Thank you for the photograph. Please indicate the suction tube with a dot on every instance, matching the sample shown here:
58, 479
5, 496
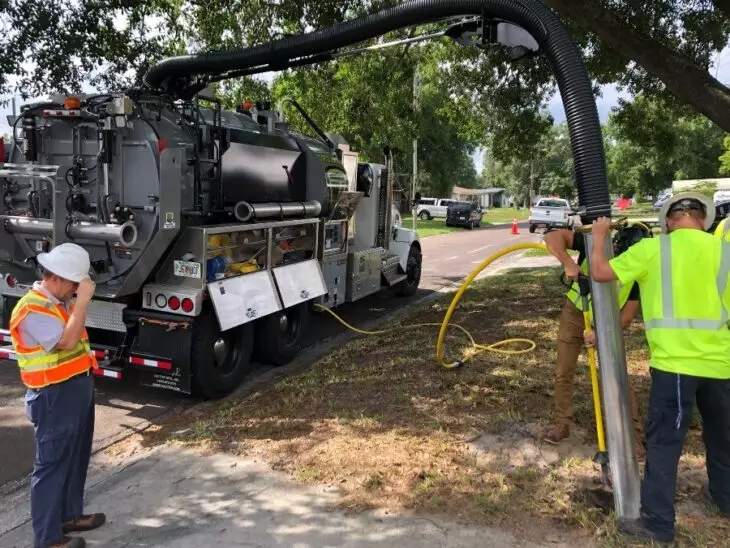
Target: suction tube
541, 22
245, 211
124, 234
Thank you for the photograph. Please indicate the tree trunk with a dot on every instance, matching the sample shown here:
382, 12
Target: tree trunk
689, 83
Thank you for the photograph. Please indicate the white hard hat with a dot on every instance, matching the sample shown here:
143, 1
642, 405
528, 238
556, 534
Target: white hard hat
68, 261
704, 200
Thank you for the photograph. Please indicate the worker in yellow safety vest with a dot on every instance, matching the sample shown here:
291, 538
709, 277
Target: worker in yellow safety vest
55, 360
571, 329
683, 276
722, 230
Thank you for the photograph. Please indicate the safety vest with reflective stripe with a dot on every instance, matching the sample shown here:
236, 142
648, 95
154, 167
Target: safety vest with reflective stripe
574, 295
38, 367
685, 305
723, 230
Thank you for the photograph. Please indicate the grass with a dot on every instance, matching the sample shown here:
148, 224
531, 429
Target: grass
434, 227
506, 214
380, 419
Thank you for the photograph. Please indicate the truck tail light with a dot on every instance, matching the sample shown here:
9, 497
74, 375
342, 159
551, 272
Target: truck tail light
173, 302
10, 281
187, 305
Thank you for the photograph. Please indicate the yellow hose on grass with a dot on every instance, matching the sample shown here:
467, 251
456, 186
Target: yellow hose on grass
446, 322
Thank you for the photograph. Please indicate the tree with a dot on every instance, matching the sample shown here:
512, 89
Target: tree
725, 157
57, 46
652, 142
652, 47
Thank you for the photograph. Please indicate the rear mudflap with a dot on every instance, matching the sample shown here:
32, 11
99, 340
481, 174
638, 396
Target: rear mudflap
161, 351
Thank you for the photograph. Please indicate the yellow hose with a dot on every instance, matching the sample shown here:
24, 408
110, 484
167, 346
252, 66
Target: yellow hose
593, 366
445, 323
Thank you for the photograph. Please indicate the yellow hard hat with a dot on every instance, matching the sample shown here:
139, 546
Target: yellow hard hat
688, 200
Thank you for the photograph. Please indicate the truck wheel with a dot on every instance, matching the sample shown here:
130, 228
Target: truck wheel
280, 336
409, 286
532, 229
424, 216
471, 225
220, 359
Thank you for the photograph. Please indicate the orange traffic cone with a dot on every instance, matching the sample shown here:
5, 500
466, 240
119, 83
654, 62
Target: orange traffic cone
514, 226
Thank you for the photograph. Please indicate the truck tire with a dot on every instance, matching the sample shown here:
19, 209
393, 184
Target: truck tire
220, 359
532, 229
280, 336
424, 216
409, 286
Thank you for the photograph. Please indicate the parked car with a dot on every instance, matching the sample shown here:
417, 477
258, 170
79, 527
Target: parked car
661, 200
468, 214
550, 212
430, 208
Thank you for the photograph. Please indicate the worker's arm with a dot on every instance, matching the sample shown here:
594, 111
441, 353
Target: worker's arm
628, 313
600, 268
77, 320
558, 243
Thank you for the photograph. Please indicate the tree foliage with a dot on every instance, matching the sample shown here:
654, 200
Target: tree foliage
659, 50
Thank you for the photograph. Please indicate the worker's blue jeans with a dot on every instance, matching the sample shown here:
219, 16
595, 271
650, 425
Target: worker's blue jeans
63, 420
671, 405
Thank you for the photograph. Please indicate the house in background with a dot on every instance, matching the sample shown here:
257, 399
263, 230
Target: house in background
485, 197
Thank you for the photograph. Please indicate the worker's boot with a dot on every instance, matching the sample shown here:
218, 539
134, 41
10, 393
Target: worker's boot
557, 434
70, 542
84, 523
709, 501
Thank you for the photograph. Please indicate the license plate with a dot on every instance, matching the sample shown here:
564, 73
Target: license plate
187, 269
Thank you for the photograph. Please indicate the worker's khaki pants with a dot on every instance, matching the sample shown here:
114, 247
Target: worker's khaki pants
570, 344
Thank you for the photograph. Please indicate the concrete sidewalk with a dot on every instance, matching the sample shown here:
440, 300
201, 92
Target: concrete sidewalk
179, 498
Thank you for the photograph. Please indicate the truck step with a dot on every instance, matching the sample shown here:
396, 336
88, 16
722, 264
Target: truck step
393, 277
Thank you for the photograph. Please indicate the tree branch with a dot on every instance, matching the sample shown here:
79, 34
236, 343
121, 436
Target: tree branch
688, 82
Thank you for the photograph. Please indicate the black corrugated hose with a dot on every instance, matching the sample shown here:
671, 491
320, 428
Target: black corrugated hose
570, 71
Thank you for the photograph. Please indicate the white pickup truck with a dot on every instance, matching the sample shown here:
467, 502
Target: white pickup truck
550, 213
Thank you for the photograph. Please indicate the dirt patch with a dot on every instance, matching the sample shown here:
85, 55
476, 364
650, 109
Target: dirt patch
382, 421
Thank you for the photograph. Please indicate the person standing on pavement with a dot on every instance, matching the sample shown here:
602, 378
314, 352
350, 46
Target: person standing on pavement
55, 361
571, 331
683, 276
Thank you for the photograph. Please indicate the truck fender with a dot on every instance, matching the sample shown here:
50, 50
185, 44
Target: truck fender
401, 243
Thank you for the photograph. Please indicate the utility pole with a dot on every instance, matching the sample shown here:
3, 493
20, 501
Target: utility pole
414, 184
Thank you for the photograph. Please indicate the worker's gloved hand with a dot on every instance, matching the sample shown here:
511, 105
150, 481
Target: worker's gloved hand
589, 337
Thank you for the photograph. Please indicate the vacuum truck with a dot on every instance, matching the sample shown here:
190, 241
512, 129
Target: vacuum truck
211, 232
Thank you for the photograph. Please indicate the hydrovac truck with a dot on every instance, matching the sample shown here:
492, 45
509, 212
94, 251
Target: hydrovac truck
211, 232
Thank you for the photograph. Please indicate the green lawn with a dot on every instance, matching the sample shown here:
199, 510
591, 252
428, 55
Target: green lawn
506, 214
434, 227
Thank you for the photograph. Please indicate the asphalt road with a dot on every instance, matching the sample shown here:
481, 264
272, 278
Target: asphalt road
124, 406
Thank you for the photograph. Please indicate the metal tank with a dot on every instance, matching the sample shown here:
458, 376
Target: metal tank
123, 175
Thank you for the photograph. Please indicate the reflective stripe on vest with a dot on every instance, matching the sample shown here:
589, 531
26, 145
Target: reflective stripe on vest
38, 367
668, 320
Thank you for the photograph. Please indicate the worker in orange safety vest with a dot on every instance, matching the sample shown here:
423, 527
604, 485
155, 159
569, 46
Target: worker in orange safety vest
52, 348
